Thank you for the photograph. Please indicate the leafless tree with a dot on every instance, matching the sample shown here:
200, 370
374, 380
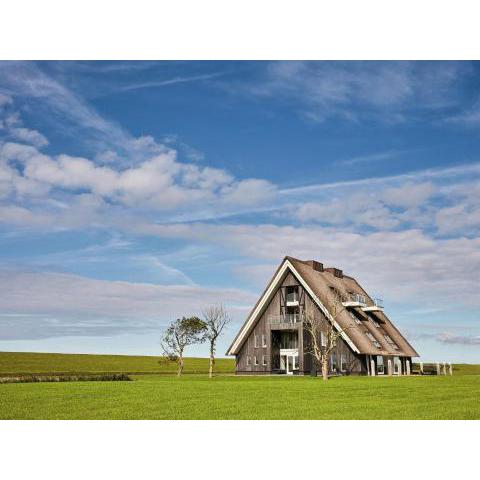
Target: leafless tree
215, 318
179, 335
322, 332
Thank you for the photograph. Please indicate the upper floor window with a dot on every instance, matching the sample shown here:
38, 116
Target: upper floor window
372, 339
391, 342
357, 320
255, 341
249, 360
264, 341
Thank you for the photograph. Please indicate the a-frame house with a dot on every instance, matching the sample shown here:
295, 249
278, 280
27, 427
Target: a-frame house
273, 338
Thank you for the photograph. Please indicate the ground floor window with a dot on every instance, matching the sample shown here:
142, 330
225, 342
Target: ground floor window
264, 360
249, 361
396, 365
343, 362
333, 362
255, 360
380, 365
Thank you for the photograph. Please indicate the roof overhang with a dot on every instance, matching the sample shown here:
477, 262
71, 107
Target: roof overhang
267, 296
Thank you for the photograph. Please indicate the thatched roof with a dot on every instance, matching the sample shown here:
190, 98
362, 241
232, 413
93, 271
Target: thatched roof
326, 285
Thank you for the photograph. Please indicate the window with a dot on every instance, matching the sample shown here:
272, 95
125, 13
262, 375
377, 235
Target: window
264, 361
343, 362
396, 365
255, 341
333, 362
380, 365
357, 320
323, 339
249, 360
255, 360
391, 342
372, 339
264, 341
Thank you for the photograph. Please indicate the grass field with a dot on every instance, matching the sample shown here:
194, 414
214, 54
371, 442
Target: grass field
153, 396
13, 363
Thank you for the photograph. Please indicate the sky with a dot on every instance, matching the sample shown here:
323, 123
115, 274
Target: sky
134, 193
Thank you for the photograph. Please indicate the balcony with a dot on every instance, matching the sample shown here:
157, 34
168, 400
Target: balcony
292, 299
355, 300
289, 318
375, 305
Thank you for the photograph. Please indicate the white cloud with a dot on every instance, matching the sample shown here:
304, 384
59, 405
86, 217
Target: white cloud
27, 135
160, 182
387, 91
42, 305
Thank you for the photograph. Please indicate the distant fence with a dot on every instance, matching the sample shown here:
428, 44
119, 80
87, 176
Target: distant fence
435, 368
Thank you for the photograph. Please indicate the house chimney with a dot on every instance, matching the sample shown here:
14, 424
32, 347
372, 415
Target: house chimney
315, 265
336, 272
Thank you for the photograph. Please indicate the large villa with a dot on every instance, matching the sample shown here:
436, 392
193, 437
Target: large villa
274, 340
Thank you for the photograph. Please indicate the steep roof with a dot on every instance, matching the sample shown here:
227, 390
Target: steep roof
323, 286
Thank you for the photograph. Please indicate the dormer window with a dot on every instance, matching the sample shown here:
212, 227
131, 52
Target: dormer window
391, 342
372, 339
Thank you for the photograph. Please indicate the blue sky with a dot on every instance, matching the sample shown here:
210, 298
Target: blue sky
132, 193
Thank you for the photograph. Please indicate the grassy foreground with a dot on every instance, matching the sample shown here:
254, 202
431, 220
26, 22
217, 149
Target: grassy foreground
230, 397
153, 396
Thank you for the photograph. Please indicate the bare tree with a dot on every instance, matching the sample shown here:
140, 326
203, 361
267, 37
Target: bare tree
323, 334
215, 318
181, 333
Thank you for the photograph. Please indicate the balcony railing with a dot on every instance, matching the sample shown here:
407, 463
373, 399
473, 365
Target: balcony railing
354, 299
378, 302
287, 318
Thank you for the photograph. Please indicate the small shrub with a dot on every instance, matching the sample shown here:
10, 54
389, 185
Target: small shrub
115, 377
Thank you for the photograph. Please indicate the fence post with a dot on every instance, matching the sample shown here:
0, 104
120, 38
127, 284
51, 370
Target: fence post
450, 368
438, 368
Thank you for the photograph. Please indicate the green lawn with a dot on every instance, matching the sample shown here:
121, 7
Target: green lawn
13, 363
230, 397
153, 396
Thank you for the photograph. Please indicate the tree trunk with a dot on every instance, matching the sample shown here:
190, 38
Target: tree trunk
180, 366
325, 370
212, 360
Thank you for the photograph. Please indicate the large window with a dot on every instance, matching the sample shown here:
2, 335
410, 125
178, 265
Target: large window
288, 340
343, 362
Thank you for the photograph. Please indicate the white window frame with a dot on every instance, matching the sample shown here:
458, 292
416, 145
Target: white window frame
255, 360
255, 340
264, 340
378, 365
264, 360
249, 360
